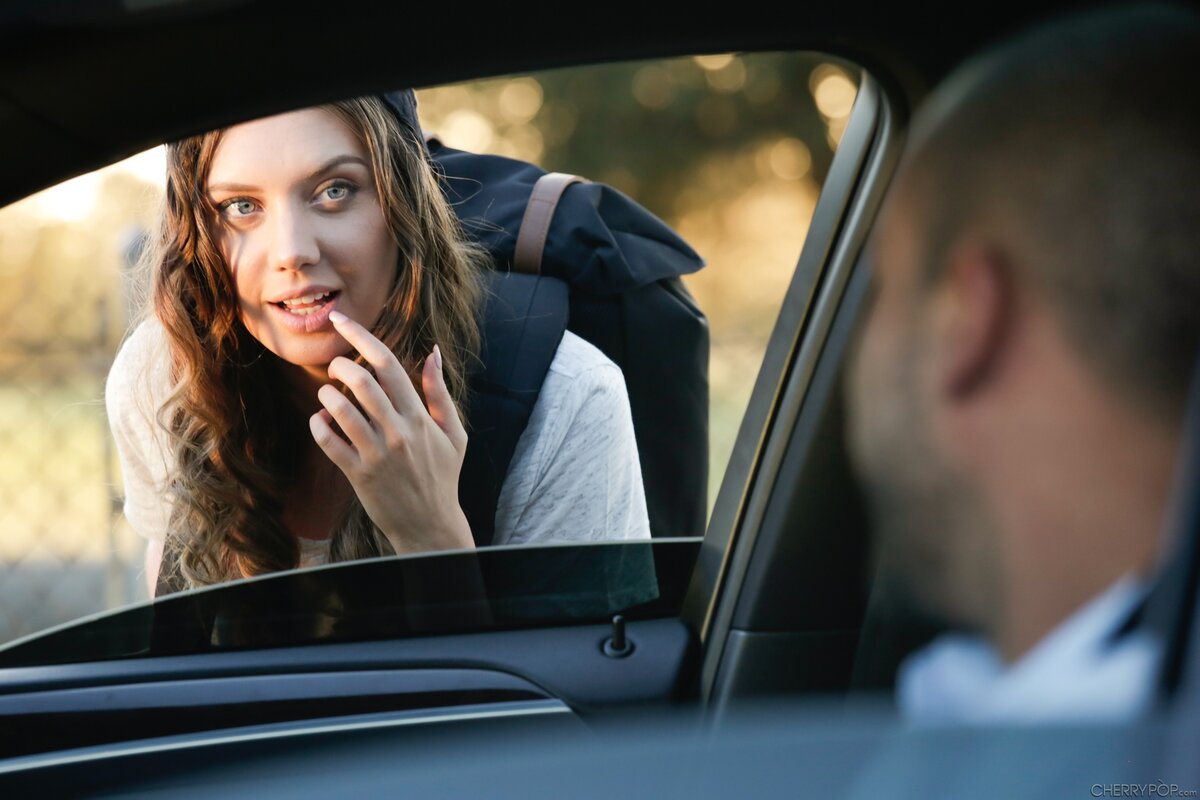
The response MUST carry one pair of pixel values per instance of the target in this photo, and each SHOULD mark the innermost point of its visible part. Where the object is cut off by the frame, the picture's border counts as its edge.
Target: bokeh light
(521, 100)
(787, 158)
(652, 87)
(714, 62)
(729, 78)
(525, 143)
(466, 129)
(833, 91)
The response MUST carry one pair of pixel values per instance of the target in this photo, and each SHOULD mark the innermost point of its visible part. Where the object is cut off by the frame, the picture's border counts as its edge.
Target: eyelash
(350, 188)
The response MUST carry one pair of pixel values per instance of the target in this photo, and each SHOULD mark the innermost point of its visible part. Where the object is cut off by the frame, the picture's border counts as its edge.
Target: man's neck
(1092, 511)
(1070, 552)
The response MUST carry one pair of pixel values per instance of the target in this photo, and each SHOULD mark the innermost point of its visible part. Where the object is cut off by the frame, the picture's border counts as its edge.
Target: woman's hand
(402, 460)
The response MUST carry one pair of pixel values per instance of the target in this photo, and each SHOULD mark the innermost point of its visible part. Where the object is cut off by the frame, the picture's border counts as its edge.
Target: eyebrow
(336, 161)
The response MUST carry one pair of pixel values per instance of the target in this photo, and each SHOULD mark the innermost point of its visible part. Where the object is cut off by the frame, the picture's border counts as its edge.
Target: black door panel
(74, 705)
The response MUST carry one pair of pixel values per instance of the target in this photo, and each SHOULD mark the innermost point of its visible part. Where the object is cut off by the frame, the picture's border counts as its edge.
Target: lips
(308, 312)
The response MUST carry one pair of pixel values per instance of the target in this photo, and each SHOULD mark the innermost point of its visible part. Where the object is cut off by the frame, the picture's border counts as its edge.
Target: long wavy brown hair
(235, 437)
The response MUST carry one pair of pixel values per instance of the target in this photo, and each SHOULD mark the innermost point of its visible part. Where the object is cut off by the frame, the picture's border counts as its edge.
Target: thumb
(441, 405)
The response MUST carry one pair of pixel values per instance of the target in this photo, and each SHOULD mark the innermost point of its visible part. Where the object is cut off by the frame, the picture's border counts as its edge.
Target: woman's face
(302, 231)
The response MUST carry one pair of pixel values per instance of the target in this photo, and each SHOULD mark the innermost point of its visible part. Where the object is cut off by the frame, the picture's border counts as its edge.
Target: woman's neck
(302, 384)
(318, 499)
(319, 493)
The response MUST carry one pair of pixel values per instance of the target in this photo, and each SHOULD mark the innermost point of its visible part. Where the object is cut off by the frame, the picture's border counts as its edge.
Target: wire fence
(65, 551)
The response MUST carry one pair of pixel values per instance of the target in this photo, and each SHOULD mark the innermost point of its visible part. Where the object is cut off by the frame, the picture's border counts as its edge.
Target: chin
(311, 356)
(913, 594)
(913, 562)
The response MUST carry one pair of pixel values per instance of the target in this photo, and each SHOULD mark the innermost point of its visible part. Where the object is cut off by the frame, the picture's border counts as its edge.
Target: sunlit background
(730, 150)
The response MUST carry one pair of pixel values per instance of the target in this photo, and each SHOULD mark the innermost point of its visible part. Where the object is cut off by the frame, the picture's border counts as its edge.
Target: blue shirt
(1080, 671)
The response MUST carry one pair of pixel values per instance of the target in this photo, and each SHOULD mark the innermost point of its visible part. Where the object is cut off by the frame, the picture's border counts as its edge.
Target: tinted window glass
(487, 589)
(728, 150)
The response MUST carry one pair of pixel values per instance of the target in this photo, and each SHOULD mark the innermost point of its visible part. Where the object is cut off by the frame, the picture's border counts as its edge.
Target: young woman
(295, 396)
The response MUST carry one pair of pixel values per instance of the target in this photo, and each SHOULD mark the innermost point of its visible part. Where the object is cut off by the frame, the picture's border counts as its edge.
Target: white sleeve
(133, 391)
(575, 474)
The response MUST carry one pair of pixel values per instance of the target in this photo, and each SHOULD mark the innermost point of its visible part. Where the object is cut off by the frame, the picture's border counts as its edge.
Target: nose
(294, 241)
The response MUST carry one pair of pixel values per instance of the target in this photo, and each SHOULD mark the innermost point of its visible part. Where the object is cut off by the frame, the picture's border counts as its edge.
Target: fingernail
(437, 357)
(337, 316)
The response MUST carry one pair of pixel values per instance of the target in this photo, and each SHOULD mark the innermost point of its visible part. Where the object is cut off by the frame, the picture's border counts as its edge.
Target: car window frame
(846, 208)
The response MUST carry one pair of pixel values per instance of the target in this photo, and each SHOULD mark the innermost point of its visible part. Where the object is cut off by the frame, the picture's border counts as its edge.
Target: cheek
(887, 339)
(867, 368)
(357, 238)
(246, 261)
(233, 253)
(386, 260)
(883, 392)
(378, 260)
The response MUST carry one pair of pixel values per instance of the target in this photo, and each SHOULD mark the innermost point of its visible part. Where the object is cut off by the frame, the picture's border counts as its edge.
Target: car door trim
(747, 462)
(258, 733)
(872, 140)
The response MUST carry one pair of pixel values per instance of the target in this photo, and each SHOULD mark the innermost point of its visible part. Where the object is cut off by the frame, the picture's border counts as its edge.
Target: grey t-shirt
(575, 475)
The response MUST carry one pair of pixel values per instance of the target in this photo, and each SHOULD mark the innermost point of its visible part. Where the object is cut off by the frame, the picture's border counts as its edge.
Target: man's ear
(972, 316)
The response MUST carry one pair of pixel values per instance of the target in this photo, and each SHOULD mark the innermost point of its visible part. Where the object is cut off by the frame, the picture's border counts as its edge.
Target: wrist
(458, 530)
(450, 533)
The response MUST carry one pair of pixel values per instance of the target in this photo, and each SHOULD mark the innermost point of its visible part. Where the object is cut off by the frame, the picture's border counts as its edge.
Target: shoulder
(577, 356)
(583, 406)
(138, 384)
(575, 474)
(583, 394)
(580, 370)
(145, 347)
(139, 378)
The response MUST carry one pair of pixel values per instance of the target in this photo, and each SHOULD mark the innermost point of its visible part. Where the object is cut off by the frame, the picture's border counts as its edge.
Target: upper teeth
(308, 298)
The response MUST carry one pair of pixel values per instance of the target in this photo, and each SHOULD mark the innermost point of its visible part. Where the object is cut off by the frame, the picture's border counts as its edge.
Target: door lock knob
(617, 645)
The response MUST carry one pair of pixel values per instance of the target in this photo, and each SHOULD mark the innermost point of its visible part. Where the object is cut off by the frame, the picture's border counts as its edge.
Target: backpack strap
(535, 225)
(523, 321)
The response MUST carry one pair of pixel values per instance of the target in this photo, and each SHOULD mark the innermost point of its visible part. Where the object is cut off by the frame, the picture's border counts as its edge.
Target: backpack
(574, 255)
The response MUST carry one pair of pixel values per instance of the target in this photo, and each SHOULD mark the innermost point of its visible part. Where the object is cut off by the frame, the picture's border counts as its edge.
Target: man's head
(1020, 383)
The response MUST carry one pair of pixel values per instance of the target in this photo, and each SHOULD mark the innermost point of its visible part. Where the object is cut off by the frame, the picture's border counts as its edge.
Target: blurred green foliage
(662, 120)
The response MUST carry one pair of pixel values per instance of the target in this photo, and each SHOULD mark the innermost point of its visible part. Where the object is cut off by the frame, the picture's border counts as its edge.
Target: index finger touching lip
(396, 382)
(374, 351)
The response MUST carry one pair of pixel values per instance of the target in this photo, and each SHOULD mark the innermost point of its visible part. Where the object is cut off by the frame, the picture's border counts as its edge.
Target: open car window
(729, 151)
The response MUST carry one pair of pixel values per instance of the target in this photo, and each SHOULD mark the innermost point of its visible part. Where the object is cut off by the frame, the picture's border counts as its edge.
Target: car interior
(773, 601)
